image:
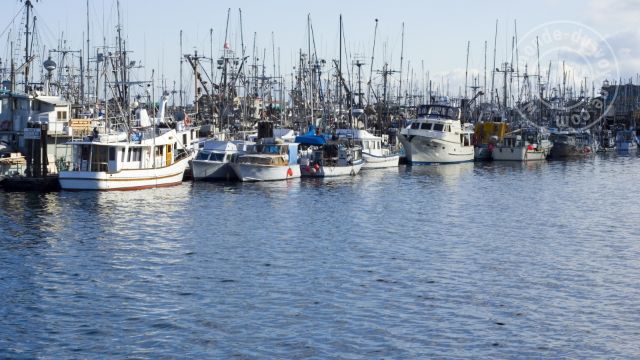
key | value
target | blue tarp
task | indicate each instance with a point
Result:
(310, 139)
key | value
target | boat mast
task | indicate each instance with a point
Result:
(493, 72)
(243, 104)
(373, 51)
(181, 62)
(484, 88)
(88, 90)
(311, 74)
(224, 71)
(28, 7)
(340, 72)
(540, 94)
(466, 72)
(123, 76)
(401, 63)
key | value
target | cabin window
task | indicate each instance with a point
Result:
(447, 128)
(62, 115)
(135, 154)
(124, 155)
(438, 127)
(415, 125)
(216, 157)
(184, 140)
(426, 126)
(159, 150)
(85, 152)
(112, 154)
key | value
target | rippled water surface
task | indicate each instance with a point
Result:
(472, 260)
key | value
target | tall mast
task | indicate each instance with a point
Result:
(493, 72)
(466, 72)
(88, 90)
(484, 88)
(401, 63)
(312, 77)
(211, 57)
(373, 51)
(181, 62)
(28, 7)
(123, 65)
(539, 83)
(340, 71)
(515, 26)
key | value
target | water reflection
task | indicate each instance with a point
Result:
(408, 263)
(449, 173)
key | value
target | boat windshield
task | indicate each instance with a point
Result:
(439, 111)
(202, 156)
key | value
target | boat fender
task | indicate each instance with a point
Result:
(316, 167)
(289, 172)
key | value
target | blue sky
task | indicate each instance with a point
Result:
(436, 32)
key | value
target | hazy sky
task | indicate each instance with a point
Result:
(436, 32)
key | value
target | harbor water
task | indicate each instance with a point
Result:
(472, 260)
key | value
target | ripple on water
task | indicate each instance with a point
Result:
(478, 260)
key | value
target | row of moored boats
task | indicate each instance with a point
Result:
(151, 155)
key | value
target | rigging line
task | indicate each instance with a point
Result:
(11, 22)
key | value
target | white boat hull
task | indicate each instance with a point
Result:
(253, 172)
(212, 171)
(423, 150)
(330, 171)
(379, 162)
(518, 154)
(124, 179)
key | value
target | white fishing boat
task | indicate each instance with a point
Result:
(268, 160)
(375, 153)
(213, 161)
(145, 157)
(437, 136)
(148, 161)
(523, 145)
(334, 158)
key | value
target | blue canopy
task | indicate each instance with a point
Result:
(310, 140)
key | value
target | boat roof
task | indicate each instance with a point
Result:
(357, 134)
(54, 100)
(219, 145)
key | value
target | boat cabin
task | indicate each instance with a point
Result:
(114, 157)
(270, 153)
